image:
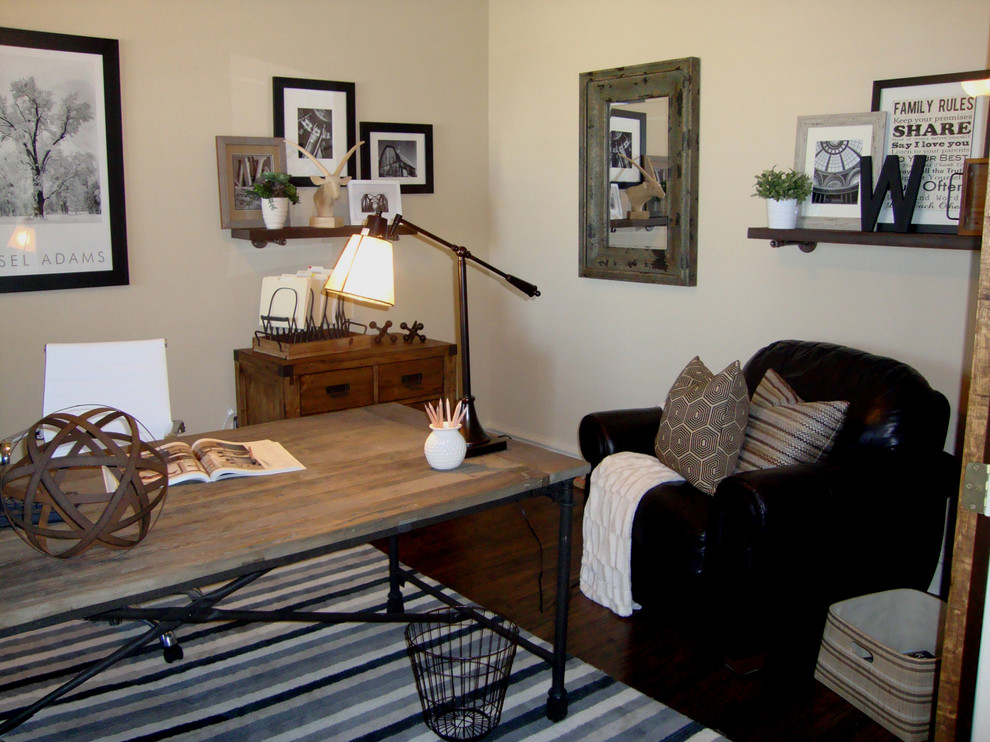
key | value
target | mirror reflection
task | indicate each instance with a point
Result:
(638, 173)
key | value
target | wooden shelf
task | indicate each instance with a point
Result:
(808, 239)
(653, 221)
(261, 237)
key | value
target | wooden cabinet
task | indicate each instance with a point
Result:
(273, 388)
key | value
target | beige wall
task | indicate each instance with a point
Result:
(191, 70)
(499, 81)
(591, 344)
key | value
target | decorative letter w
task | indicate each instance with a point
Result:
(903, 201)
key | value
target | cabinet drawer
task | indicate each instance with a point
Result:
(336, 390)
(410, 380)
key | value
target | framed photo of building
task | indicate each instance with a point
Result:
(398, 153)
(62, 221)
(318, 115)
(626, 136)
(367, 197)
(937, 117)
(240, 163)
(829, 149)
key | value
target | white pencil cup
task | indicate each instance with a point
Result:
(445, 447)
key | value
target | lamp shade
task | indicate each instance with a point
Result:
(364, 271)
(976, 87)
(22, 238)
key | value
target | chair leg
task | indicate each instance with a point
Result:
(171, 649)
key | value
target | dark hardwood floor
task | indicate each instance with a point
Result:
(494, 559)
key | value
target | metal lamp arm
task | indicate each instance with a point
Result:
(478, 441)
(462, 252)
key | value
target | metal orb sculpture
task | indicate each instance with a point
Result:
(89, 484)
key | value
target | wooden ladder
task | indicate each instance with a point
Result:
(957, 679)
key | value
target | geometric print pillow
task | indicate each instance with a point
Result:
(703, 424)
(783, 430)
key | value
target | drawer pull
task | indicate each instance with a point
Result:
(412, 379)
(339, 390)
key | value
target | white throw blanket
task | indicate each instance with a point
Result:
(618, 483)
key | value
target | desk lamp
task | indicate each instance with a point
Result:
(364, 273)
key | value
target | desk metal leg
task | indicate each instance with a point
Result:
(557, 698)
(129, 648)
(395, 603)
(202, 603)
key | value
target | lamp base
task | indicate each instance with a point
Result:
(497, 443)
(478, 440)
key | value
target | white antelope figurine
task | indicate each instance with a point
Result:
(638, 195)
(329, 187)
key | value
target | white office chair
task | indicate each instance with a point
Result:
(131, 376)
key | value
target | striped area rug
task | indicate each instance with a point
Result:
(289, 681)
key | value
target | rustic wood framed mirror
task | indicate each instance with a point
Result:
(639, 128)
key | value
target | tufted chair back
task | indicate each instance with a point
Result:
(892, 408)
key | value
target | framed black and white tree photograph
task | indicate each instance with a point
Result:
(319, 116)
(62, 219)
(398, 153)
(626, 137)
(829, 148)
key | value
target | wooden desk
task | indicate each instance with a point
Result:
(366, 478)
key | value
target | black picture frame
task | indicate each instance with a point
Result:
(626, 134)
(325, 109)
(73, 235)
(408, 148)
(915, 102)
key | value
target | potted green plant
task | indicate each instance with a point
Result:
(783, 191)
(276, 192)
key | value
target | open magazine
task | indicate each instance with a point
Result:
(210, 459)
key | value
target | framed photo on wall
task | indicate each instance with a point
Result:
(240, 164)
(973, 201)
(615, 202)
(62, 221)
(937, 117)
(366, 197)
(626, 136)
(398, 153)
(828, 149)
(318, 115)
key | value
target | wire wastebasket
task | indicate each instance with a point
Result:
(462, 659)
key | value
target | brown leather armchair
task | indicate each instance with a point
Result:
(773, 548)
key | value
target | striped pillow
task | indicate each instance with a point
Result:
(773, 391)
(784, 430)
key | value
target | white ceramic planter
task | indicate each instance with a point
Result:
(782, 214)
(275, 211)
(445, 447)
